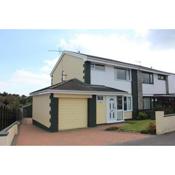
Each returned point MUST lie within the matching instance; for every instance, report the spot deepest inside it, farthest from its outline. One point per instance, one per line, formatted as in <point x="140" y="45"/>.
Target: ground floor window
<point x="119" y="103"/>
<point x="147" y="103"/>
<point x="127" y="103"/>
<point x="100" y="98"/>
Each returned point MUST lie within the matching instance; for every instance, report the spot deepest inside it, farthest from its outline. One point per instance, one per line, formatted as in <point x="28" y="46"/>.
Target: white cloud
<point x="48" y="65"/>
<point x="122" y="47"/>
<point x="25" y="81"/>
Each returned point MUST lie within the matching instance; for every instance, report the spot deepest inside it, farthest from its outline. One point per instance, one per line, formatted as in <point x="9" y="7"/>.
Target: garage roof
<point x="77" y="85"/>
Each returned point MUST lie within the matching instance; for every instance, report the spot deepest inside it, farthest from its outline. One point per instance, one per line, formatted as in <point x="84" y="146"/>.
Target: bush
<point x="150" y="130"/>
<point x="113" y="128"/>
<point x="142" y="116"/>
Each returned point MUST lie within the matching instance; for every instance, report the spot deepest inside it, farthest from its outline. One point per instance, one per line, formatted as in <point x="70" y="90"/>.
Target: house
<point x="88" y="90"/>
<point x="73" y="104"/>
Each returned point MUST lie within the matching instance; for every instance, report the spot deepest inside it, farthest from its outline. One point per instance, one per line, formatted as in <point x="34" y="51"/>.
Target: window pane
<point x="147" y="78"/>
<point x="161" y="77"/>
<point x="99" y="67"/>
<point x="147" y="103"/>
<point x="119" y="102"/>
<point x="129" y="105"/>
<point x="100" y="98"/>
<point x="125" y="103"/>
<point x="122" y="74"/>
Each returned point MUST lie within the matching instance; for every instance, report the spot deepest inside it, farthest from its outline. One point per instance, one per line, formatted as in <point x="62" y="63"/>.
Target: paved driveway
<point x="31" y="135"/>
<point x="160" y="140"/>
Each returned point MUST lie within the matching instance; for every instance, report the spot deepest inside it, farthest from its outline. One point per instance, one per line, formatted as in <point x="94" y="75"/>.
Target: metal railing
<point x="8" y="116"/>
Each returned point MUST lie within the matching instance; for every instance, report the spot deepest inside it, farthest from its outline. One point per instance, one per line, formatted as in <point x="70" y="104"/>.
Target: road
<point x="159" y="140"/>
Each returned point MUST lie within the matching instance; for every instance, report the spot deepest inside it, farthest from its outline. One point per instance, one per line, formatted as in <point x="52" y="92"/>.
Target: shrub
<point x="150" y="130"/>
<point x="142" y="116"/>
<point x="113" y="128"/>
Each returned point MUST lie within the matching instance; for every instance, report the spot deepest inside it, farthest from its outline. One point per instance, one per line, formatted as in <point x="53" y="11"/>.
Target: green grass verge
<point x="135" y="125"/>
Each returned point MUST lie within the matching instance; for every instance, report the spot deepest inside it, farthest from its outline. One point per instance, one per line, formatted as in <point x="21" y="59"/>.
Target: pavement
<point x="30" y="135"/>
<point x="158" y="140"/>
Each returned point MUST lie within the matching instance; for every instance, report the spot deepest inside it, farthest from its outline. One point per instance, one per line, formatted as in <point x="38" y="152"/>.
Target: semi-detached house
<point x="87" y="90"/>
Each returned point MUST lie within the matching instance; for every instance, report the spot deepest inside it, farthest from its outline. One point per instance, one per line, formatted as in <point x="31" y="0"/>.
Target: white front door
<point x="111" y="109"/>
<point x="114" y="109"/>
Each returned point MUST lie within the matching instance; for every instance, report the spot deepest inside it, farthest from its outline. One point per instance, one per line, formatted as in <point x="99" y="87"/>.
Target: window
<point x="99" y="98"/>
<point x="122" y="74"/>
<point x="98" y="67"/>
<point x="147" y="103"/>
<point x="119" y="102"/>
<point x="161" y="77"/>
<point x="127" y="103"/>
<point x="147" y="78"/>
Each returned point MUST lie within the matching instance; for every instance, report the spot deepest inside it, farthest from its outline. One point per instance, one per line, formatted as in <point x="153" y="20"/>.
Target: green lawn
<point x="135" y="125"/>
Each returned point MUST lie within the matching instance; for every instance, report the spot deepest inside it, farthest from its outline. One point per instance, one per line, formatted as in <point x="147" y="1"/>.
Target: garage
<point x="70" y="105"/>
<point x="72" y="113"/>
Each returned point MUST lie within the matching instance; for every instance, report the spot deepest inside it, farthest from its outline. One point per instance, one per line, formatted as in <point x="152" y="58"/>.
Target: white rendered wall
<point x="171" y="83"/>
<point x="159" y="87"/>
<point x="107" y="78"/>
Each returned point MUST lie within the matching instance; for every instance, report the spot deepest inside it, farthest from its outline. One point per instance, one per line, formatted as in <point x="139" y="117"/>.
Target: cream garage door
<point x="72" y="113"/>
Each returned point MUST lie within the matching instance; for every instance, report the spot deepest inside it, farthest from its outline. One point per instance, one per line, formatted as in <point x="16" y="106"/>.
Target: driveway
<point x="159" y="140"/>
<point x="32" y="135"/>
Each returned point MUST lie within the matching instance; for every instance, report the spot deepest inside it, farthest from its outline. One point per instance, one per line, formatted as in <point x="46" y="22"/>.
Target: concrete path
<point x="160" y="140"/>
<point x="31" y="135"/>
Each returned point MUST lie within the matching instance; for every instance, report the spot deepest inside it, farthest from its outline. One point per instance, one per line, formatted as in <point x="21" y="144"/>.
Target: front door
<point x="112" y="106"/>
<point x="114" y="109"/>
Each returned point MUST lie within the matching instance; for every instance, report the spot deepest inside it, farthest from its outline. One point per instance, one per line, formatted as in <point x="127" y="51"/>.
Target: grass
<point x="136" y="125"/>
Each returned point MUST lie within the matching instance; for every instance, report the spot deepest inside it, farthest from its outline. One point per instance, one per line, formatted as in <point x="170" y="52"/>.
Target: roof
<point x="77" y="85"/>
<point x="109" y="61"/>
<point x="164" y="95"/>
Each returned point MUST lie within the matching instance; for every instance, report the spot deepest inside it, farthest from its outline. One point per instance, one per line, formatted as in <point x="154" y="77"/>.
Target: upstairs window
<point x="99" y="67"/>
<point x="122" y="74"/>
<point x="147" y="78"/>
<point x="161" y="77"/>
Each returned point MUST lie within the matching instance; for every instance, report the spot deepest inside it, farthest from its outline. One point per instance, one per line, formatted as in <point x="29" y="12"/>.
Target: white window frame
<point x="115" y="74"/>
<point x="127" y="110"/>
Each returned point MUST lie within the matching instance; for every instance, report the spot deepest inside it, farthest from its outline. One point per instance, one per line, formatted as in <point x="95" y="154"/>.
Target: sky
<point x="26" y="61"/>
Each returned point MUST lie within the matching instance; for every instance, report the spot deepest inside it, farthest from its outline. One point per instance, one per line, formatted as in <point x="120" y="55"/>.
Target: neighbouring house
<point x="88" y="90"/>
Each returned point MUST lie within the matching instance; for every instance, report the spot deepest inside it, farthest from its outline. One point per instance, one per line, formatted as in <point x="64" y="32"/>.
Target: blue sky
<point x="26" y="62"/>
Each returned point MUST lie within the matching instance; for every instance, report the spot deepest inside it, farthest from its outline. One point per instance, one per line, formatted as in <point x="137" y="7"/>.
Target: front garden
<point x="141" y="126"/>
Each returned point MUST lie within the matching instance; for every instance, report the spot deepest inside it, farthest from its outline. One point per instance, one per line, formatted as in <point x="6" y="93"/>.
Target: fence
<point x="27" y="111"/>
<point x="7" y="117"/>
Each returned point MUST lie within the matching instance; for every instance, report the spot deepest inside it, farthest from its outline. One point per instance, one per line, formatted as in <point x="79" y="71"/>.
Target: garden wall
<point x="164" y="123"/>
